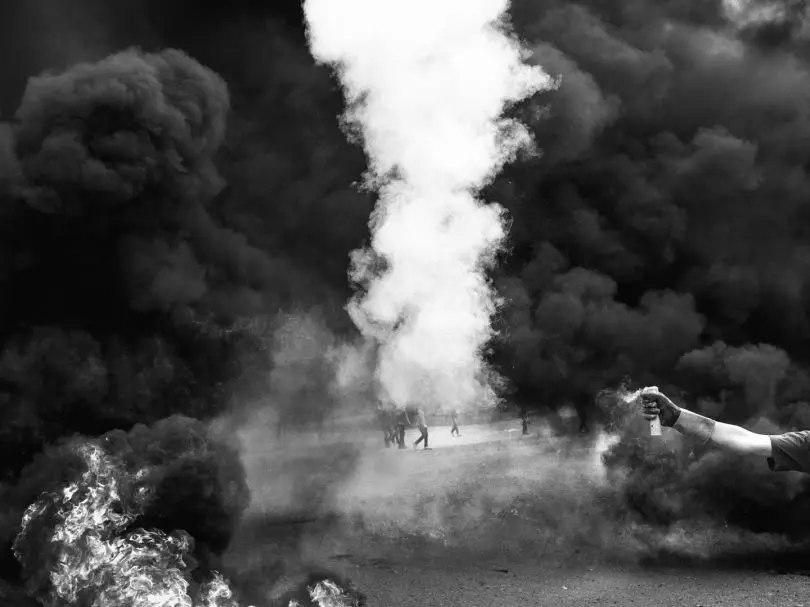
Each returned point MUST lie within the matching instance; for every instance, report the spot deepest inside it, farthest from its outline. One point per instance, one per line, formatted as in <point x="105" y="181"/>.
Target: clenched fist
<point x="656" y="404"/>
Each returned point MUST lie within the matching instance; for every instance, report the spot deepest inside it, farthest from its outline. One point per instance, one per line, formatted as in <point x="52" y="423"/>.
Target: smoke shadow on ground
<point x="785" y="560"/>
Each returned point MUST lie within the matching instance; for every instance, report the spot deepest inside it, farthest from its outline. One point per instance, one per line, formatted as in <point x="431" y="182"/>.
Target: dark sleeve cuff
<point x="790" y="451"/>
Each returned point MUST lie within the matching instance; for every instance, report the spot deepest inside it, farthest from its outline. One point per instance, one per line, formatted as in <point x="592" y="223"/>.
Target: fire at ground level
<point x="493" y="517"/>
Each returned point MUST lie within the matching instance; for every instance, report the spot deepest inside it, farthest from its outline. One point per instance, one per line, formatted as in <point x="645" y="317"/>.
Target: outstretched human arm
<point x="788" y="451"/>
<point x="726" y="436"/>
<point x="732" y="438"/>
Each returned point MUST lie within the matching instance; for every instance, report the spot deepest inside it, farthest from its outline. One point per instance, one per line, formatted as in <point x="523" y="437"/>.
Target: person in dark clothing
<point x="454" y="431"/>
<point x="524" y="416"/>
<point x="784" y="452"/>
<point x="582" y="412"/>
<point x="388" y="423"/>
<point x="402" y="423"/>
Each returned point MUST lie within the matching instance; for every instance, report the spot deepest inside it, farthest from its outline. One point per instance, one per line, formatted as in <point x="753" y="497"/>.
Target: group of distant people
<point x="395" y="423"/>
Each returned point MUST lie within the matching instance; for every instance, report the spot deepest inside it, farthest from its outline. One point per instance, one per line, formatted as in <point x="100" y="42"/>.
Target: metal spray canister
<point x="655" y="424"/>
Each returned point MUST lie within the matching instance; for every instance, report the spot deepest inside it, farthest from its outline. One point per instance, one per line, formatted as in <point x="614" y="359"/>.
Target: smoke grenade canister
<point x="655" y="427"/>
<point x="655" y="424"/>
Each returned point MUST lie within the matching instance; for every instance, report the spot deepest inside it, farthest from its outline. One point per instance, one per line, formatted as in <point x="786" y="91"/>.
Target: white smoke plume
<point x="426" y="83"/>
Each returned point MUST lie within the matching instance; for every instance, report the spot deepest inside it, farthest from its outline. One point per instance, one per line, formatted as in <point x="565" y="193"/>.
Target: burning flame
<point x="95" y="563"/>
<point x="325" y="594"/>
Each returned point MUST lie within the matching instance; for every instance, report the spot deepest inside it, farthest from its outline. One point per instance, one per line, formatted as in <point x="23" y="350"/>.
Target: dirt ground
<point x="511" y="584"/>
<point x="452" y="526"/>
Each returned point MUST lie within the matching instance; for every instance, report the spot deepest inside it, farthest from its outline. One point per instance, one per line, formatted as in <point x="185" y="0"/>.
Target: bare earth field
<point x="474" y="585"/>
<point x="454" y="526"/>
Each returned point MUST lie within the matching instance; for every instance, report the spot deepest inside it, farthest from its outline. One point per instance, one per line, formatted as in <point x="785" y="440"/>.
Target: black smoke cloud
<point x="662" y="236"/>
<point x="152" y="226"/>
<point x="113" y="167"/>
<point x="666" y="214"/>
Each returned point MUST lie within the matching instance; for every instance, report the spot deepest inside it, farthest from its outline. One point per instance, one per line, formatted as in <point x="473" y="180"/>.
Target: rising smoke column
<point x="426" y="84"/>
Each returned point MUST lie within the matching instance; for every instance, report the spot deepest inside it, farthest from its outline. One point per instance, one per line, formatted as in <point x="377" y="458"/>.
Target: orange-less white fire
<point x="95" y="562"/>
<point x="325" y="594"/>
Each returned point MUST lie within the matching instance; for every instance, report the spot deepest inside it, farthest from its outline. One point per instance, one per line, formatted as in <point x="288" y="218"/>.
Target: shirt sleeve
<point x="790" y="451"/>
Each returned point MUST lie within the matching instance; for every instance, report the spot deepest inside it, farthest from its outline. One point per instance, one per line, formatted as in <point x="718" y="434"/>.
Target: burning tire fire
<point x="76" y="548"/>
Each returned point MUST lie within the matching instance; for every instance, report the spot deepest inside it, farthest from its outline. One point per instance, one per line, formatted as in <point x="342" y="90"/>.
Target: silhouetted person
<point x="421" y="423"/>
<point x="389" y="428"/>
<point x="524" y="416"/>
<point x="454" y="431"/>
<point x="583" y="426"/>
<point x="581" y="404"/>
<point x="402" y="423"/>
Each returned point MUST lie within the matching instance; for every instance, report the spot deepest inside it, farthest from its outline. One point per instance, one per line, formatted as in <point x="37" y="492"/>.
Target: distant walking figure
<point x="454" y="431"/>
<point x="421" y="423"/>
<point x="402" y="423"/>
<point x="388" y="423"/>
<point x="524" y="415"/>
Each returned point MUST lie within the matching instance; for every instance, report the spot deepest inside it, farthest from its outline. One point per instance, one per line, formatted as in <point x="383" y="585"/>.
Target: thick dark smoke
<point x="141" y="288"/>
<point x="127" y="300"/>
<point x="114" y="299"/>
<point x="662" y="236"/>
<point x="159" y="228"/>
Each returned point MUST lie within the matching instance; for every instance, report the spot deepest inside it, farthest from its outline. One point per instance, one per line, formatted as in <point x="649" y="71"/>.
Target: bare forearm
<point x="726" y="436"/>
<point x="740" y="440"/>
